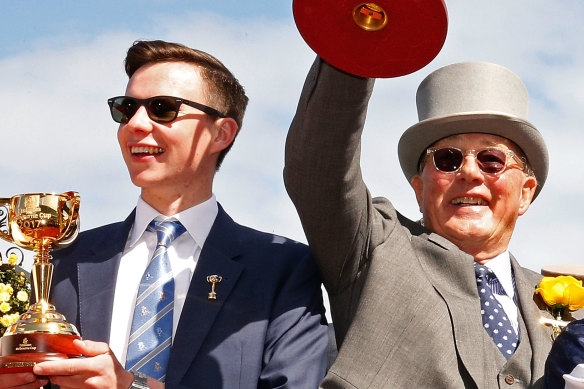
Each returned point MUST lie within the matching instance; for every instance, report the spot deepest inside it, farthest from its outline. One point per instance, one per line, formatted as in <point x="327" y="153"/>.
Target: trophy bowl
<point x="40" y="222"/>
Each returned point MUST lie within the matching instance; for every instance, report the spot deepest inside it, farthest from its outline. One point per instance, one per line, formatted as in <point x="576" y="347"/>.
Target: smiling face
<point x="474" y="210"/>
<point x="174" y="163"/>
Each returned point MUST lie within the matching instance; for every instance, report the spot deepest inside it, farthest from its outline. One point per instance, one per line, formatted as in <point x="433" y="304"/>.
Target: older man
<point x="438" y="303"/>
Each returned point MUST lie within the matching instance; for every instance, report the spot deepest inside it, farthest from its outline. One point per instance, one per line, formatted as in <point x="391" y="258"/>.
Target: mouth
<point x="468" y="201"/>
<point x="146" y="150"/>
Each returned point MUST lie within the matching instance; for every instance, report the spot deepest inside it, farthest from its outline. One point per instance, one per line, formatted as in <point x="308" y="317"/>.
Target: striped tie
<point x="151" y="334"/>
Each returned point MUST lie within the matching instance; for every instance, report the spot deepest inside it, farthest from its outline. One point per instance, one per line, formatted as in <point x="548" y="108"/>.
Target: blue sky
<point x="26" y="23"/>
<point x="61" y="60"/>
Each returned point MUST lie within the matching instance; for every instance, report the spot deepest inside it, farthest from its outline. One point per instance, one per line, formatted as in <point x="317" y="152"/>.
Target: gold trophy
<point x="40" y="222"/>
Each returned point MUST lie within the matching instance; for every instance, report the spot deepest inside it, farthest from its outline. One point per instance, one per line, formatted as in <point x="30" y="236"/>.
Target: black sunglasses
<point x="491" y="160"/>
<point x="161" y="109"/>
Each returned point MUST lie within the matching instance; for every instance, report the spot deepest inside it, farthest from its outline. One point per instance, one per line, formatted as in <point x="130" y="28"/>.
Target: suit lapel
<point x="96" y="294"/>
<point x="199" y="312"/>
<point x="217" y="257"/>
<point x="452" y="274"/>
<point x="540" y="335"/>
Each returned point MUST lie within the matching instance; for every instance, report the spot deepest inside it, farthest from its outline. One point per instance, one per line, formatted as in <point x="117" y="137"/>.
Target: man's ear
<point x="527" y="193"/>
<point x="225" y="133"/>
<point x="418" y="186"/>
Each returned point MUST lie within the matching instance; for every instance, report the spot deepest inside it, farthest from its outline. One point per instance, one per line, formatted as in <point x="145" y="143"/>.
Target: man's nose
<point x="470" y="169"/>
<point x="140" y="121"/>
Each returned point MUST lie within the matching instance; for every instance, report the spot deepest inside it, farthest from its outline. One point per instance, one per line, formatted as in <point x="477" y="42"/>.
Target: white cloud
<point x="58" y="135"/>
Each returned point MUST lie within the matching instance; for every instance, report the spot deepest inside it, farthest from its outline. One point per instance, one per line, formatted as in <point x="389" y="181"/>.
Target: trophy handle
<point x="3" y="202"/>
<point x="72" y="222"/>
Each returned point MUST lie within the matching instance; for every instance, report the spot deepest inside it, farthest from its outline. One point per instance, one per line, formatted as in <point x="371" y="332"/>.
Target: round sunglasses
<point x="161" y="109"/>
<point x="490" y="160"/>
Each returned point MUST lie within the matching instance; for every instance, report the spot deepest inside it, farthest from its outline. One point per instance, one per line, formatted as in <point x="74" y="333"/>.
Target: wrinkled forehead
<point x="473" y="141"/>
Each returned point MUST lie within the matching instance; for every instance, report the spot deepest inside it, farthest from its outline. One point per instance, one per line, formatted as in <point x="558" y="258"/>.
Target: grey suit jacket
<point x="404" y="301"/>
<point x="266" y="329"/>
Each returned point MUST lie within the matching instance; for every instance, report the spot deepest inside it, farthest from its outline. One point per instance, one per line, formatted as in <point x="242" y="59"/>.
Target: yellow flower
<point x="22" y="295"/>
<point x="562" y="292"/>
<point x="6" y="288"/>
<point x="4" y="296"/>
<point x="12" y="259"/>
<point x="5" y="307"/>
<point x="7" y="320"/>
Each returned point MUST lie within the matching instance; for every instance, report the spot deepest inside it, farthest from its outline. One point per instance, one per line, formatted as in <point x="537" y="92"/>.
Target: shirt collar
<point x="197" y="220"/>
<point x="501" y="266"/>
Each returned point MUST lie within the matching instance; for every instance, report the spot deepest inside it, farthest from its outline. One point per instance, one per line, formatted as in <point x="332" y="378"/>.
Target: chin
<point x="142" y="181"/>
<point x="467" y="230"/>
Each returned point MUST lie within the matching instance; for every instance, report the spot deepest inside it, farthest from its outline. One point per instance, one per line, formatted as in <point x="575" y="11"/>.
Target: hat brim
<point x="416" y="139"/>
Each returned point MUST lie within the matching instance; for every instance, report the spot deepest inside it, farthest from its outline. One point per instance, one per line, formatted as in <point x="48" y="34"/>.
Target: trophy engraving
<point x="40" y="222"/>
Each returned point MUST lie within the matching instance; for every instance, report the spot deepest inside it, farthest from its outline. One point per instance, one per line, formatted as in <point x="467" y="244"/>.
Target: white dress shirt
<point x="575" y="380"/>
<point x="501" y="266"/>
<point x="183" y="253"/>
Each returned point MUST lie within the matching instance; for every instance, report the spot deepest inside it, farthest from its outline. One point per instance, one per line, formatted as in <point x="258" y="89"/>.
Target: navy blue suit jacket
<point x="265" y="330"/>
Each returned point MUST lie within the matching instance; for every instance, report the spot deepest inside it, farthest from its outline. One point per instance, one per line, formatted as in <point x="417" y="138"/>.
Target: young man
<point x="440" y="303"/>
<point x="247" y="308"/>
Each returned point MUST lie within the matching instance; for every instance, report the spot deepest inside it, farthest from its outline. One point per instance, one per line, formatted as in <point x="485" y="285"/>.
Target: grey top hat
<point x="473" y="97"/>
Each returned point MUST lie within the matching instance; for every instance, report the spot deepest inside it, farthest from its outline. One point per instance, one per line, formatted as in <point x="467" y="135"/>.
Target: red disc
<point x="381" y="38"/>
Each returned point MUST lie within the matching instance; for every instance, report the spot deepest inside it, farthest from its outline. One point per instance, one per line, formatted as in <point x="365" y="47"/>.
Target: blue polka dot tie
<point x="495" y="320"/>
<point x="151" y="334"/>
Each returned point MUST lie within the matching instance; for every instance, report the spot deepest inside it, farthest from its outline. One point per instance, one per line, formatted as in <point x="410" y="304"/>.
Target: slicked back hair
<point x="224" y="92"/>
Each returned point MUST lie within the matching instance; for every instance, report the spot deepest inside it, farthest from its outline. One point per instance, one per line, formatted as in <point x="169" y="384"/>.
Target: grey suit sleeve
<point x="322" y="171"/>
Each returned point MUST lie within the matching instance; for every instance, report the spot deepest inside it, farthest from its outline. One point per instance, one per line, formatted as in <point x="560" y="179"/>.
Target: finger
<point x="9" y="380"/>
<point x="71" y="366"/>
<point x="74" y="366"/>
<point x="69" y="382"/>
<point x="90" y="348"/>
<point x="22" y="381"/>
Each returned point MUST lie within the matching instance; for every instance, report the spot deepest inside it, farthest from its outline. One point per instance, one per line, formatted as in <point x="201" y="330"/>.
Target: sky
<point x="61" y="60"/>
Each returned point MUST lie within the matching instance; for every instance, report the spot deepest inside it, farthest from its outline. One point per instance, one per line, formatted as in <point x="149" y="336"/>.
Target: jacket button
<point x="509" y="379"/>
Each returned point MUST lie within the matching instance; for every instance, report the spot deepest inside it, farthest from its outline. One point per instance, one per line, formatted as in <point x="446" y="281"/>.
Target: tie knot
<point x="486" y="275"/>
<point x="166" y="231"/>
<point x="482" y="271"/>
